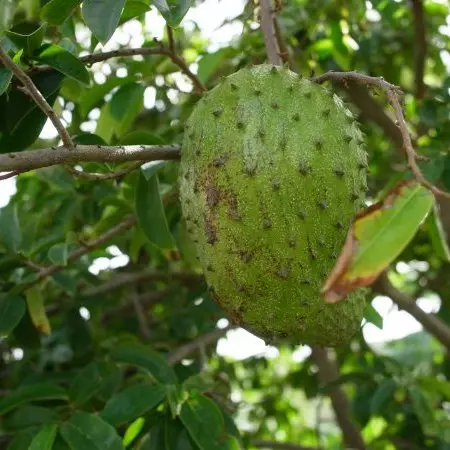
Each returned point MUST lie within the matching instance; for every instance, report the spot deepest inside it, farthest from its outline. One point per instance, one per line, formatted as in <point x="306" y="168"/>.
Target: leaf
<point x="10" y="233"/>
<point x="5" y="79"/>
<point x="150" y="212"/>
<point x="56" y="12"/>
<point x="102" y="17"/>
<point x="58" y="254"/>
<point x="382" y="395"/>
<point x="147" y="359"/>
<point x="132" y="432"/>
<point x="32" y="393"/>
<point x="45" y="438"/>
<point x="376" y="237"/>
<point x="132" y="402"/>
<point x="437" y="235"/>
<point x="209" y="63"/>
<point x="29" y="416"/>
<point x="28" y="42"/>
<point x="85" y="431"/>
<point x="141" y="137"/>
<point x="373" y="316"/>
<point x="89" y="381"/>
<point x="423" y="409"/>
<point x="149" y="169"/>
<point x="173" y="10"/>
<point x="12" y="309"/>
<point x="63" y="61"/>
<point x="132" y="9"/>
<point x="176" y="396"/>
<point x="204" y="422"/>
<point x="36" y="309"/>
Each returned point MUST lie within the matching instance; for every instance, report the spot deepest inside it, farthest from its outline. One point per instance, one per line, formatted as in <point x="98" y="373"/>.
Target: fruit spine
<point x="272" y="172"/>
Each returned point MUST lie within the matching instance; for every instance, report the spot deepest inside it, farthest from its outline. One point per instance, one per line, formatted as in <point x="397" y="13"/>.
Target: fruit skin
<point x="272" y="172"/>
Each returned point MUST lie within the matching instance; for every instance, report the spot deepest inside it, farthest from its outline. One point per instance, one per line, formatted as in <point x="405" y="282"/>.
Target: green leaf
<point x="28" y="42"/>
<point x="377" y="236"/>
<point x="437" y="235"/>
<point x="141" y="137"/>
<point x="105" y="124"/>
<point x="173" y="10"/>
<point x="147" y="359"/>
<point x="373" y="316"/>
<point x="133" y="431"/>
<point x="150" y="212"/>
<point x="10" y="233"/>
<point x="36" y="309"/>
<point x="132" y="402"/>
<point x="176" y="395"/>
<point x="12" y="309"/>
<point x="423" y="408"/>
<point x="5" y="79"/>
<point x="204" y="422"/>
<point x="63" y="61"/>
<point x="209" y="63"/>
<point x="58" y="254"/>
<point x="102" y="17"/>
<point x="85" y="431"/>
<point x="133" y="9"/>
<point x="56" y="12"/>
<point x="382" y="395"/>
<point x="29" y="416"/>
<point x="45" y="438"/>
<point x="89" y="381"/>
<point x="149" y="169"/>
<point x="32" y="393"/>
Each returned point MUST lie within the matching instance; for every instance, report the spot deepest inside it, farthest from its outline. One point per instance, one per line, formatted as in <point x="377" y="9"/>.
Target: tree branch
<point x="435" y="326"/>
<point x="270" y="40"/>
<point x="140" y="314"/>
<point x="420" y="47"/>
<point x="37" y="159"/>
<point x="393" y="92"/>
<point x="329" y="372"/>
<point x="279" y="445"/>
<point x="203" y="340"/>
<point x="87" y="248"/>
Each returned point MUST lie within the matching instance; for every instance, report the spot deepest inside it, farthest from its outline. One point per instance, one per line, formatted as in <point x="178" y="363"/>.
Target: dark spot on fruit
<point x="234" y="87"/>
<point x="296" y="117"/>
<point x="326" y="112"/>
<point x="209" y="268"/>
<point x="332" y="256"/>
<point x="304" y="302"/>
<point x="318" y="144"/>
<point x="290" y="88"/>
<point x="283" y="273"/>
<point x="219" y="161"/>
<point x="339" y="173"/>
<point x="305" y="282"/>
<point x="304" y="169"/>
<point x="321" y="242"/>
<point x="274" y="70"/>
<point x="212" y="196"/>
<point x="217" y="112"/>
<point x="191" y="135"/>
<point x="276" y="185"/>
<point x="301" y="214"/>
<point x="250" y="170"/>
<point x="347" y="138"/>
<point x="240" y="124"/>
<point x="197" y="153"/>
<point x="257" y="92"/>
<point x="364" y="187"/>
<point x="275" y="105"/>
<point x="292" y="243"/>
<point x="362" y="165"/>
<point x="322" y="204"/>
<point x="307" y="94"/>
<point x="210" y="231"/>
<point x="261" y="133"/>
<point x="246" y="257"/>
<point x="354" y="197"/>
<point x="267" y="224"/>
<point x="339" y="225"/>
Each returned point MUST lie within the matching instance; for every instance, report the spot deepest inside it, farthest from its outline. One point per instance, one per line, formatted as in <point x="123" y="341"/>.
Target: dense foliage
<point x="107" y="331"/>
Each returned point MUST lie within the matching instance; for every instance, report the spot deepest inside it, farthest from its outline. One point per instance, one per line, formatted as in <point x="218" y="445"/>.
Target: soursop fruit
<point x="272" y="172"/>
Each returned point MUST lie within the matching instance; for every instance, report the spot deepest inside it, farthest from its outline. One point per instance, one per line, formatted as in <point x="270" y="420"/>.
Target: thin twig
<point x="328" y="371"/>
<point x="106" y="176"/>
<point x="283" y="50"/>
<point x="171" y="39"/>
<point x="203" y="340"/>
<point x="420" y="47"/>
<point x="270" y="40"/>
<point x="37" y="159"/>
<point x="393" y="92"/>
<point x="89" y="247"/>
<point x="30" y="89"/>
<point x="140" y="314"/>
<point x="126" y="52"/>
<point x="7" y="175"/>
<point x="435" y="326"/>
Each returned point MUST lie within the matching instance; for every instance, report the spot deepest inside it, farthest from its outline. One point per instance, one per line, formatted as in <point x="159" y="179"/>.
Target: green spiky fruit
<point x="272" y="173"/>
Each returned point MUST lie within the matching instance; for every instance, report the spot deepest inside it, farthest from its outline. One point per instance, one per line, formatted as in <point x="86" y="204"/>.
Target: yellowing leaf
<point x="37" y="312"/>
<point x="377" y="236"/>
